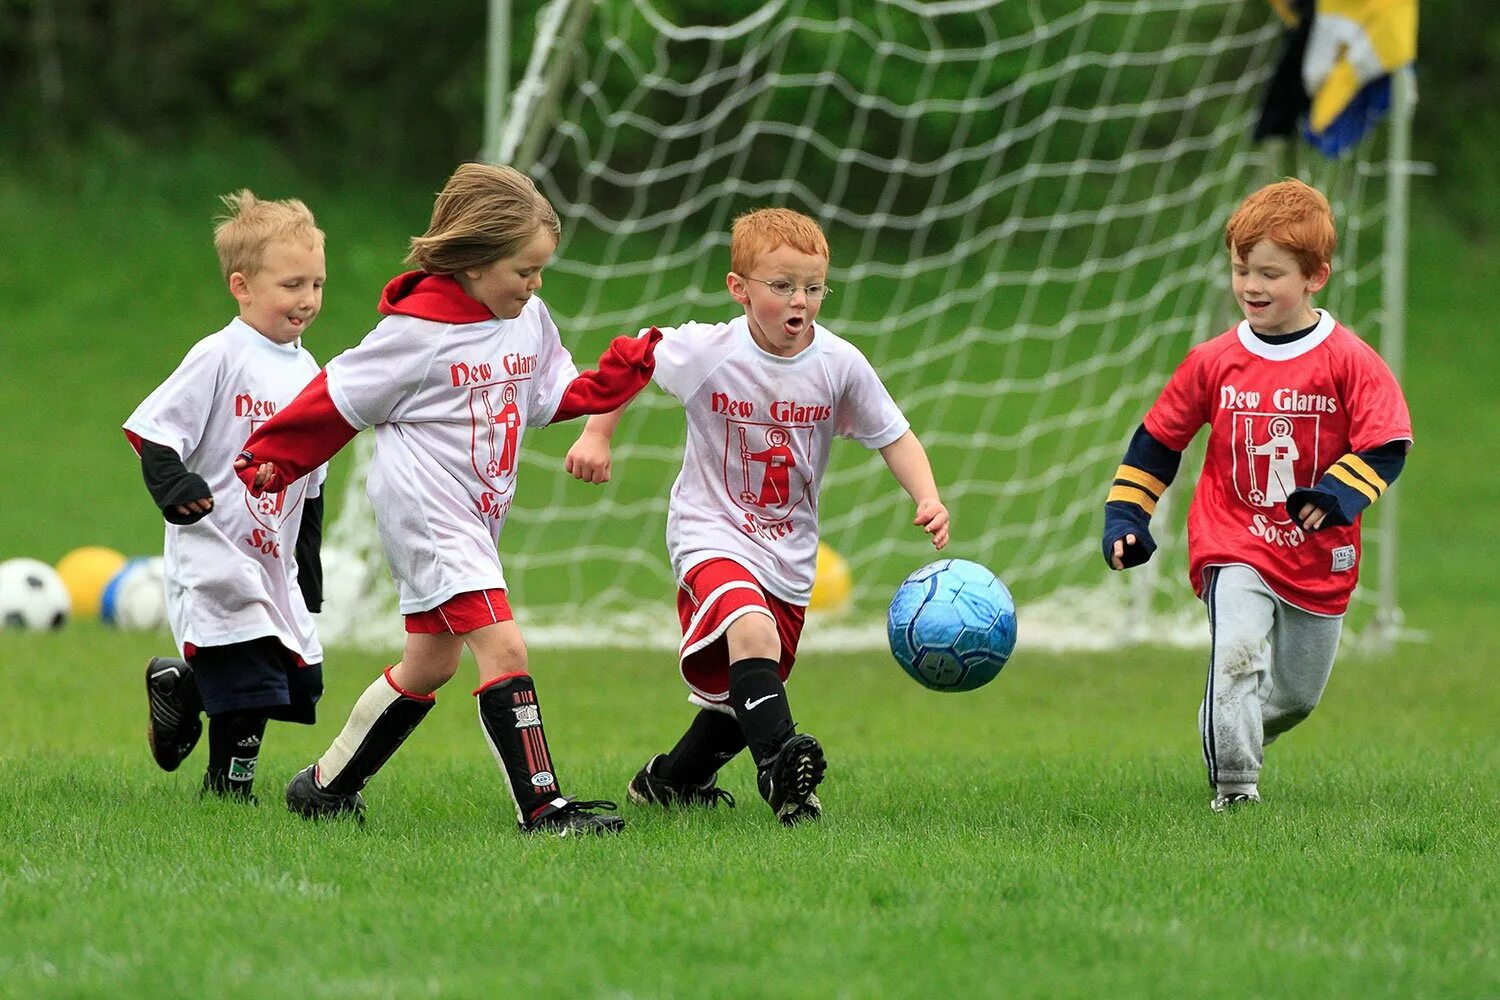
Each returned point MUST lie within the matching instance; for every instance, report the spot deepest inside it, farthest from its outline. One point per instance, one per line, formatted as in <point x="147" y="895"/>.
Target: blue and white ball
<point x="136" y="598"/>
<point x="952" y="625"/>
<point x="32" y="596"/>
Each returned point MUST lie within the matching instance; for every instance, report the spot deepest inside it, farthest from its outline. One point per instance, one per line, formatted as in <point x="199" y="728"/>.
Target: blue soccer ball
<point x="952" y="625"/>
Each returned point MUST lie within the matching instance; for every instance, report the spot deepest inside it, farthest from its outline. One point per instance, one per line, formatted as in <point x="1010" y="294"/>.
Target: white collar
<point x="1288" y="351"/>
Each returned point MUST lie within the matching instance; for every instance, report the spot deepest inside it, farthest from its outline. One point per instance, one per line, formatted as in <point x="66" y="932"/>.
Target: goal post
<point x="1025" y="203"/>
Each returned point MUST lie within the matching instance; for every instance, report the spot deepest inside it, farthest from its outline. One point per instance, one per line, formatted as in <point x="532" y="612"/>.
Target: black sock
<point x="512" y="723"/>
<point x="233" y="749"/>
<point x="759" y="701"/>
<point x="709" y="743"/>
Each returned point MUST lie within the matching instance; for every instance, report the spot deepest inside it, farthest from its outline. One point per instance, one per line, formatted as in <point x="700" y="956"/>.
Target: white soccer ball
<point x="32" y="596"/>
<point x="136" y="598"/>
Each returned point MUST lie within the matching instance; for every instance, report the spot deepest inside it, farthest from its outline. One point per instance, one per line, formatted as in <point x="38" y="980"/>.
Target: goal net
<point x="1025" y="202"/>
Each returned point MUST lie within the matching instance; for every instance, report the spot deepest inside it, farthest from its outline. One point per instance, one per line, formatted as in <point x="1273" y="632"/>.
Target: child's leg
<point x="387" y="713"/>
<point x="234" y="740"/>
<point x="1241" y="614"/>
<point x="1302" y="651"/>
<point x="756" y="691"/>
<point x="511" y="719"/>
<point x="712" y="740"/>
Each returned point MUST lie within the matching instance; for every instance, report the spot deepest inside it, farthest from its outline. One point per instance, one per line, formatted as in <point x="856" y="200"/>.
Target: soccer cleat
<point x="569" y="818"/>
<point x="305" y="798"/>
<point x="1233" y="801"/>
<point x="174" y="726"/>
<point x="226" y="790"/>
<point x="648" y="789"/>
<point x="787" y="781"/>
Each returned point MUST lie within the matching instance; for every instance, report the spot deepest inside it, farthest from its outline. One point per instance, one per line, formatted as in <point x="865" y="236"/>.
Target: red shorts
<point x="713" y="595"/>
<point x="462" y="613"/>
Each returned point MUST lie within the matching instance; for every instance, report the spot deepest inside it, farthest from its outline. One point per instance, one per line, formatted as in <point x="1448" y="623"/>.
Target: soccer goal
<point x="1025" y="202"/>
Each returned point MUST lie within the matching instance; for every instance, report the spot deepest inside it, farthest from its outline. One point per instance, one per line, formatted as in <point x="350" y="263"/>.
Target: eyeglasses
<point x="816" y="292"/>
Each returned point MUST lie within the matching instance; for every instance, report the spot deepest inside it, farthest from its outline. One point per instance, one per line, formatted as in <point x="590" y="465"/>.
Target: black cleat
<point x="230" y="791"/>
<point x="648" y="789"/>
<point x="788" y="780"/>
<point x="306" y="799"/>
<point x="174" y="726"/>
<point x="569" y="818"/>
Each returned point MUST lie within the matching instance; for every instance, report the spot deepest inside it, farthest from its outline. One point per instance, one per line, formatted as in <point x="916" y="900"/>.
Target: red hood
<point x="435" y="297"/>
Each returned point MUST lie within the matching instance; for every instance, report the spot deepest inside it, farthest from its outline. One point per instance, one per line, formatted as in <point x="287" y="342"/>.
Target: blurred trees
<point x="347" y="87"/>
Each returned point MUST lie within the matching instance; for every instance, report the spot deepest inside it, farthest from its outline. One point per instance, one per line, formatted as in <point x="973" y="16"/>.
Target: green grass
<point x="1045" y="836"/>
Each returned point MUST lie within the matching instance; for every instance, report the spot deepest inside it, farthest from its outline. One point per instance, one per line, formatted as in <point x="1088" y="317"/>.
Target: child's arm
<point x="298" y="439"/>
<point x="589" y="458"/>
<point x="310" y="554"/>
<point x="1349" y="486"/>
<point x="1148" y="469"/>
<point x="183" y="496"/>
<point x="908" y="462"/>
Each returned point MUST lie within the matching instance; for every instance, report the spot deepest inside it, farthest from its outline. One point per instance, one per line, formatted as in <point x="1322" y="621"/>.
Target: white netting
<point x="1025" y="202"/>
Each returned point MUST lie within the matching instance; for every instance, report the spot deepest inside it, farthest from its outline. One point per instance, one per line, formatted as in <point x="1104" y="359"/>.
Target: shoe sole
<point x="807" y="768"/>
<point x="157" y="704"/>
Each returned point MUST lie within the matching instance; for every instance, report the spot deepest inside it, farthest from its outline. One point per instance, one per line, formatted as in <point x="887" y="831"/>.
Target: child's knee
<point x="1237" y="656"/>
<point x="753" y="635"/>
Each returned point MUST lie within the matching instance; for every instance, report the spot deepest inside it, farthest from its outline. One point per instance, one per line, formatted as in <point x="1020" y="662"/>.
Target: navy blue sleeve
<point x="1351" y="484"/>
<point x="1148" y="469"/>
<point x="310" y="554"/>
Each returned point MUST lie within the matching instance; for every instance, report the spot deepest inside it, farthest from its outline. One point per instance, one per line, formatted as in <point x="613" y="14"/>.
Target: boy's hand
<point x="589" y="458"/>
<point x="1131" y="549"/>
<point x="192" y="507"/>
<point x="932" y="517"/>
<point x="266" y="478"/>
<point x="1311" y="517"/>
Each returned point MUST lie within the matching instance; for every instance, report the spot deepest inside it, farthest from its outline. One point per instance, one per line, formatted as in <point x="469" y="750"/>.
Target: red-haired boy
<point x="1307" y="427"/>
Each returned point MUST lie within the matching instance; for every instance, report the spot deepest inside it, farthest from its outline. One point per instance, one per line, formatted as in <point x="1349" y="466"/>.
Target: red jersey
<point x="1279" y="415"/>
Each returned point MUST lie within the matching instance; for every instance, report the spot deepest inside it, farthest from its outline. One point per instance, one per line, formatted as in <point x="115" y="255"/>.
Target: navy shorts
<point x="260" y="675"/>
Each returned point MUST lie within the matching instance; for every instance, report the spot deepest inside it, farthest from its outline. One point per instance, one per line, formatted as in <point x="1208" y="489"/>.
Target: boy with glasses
<point x="764" y="395"/>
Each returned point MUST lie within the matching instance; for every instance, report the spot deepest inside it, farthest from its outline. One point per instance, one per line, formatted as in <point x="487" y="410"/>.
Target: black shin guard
<point x="759" y="701"/>
<point x="378" y="724"/>
<point x="233" y="750"/>
<point x="512" y="724"/>
<point x="710" y="742"/>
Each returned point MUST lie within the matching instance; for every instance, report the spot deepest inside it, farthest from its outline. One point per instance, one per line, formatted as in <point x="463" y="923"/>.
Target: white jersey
<point x="759" y="430"/>
<point x="232" y="576"/>
<point x="450" y="403"/>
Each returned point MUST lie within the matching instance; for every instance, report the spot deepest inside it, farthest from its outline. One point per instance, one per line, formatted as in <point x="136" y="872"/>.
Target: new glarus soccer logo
<point x="269" y="509"/>
<point x="1274" y="454"/>
<point x="495" y="419"/>
<point x="764" y="467"/>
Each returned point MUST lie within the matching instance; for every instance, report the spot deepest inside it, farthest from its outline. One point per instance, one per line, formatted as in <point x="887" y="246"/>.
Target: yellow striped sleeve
<point x="1363" y="469"/>
<point x="1140" y="477"/>
<point x="1132" y="494"/>
<point x="1343" y="475"/>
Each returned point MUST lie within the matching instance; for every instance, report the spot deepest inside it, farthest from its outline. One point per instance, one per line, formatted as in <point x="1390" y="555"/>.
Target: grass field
<point x="1045" y="836"/>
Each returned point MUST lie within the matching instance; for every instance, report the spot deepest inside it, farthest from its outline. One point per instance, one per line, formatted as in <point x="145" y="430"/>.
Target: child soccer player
<point x="465" y="361"/>
<point x="764" y="395"/>
<point x="1307" y="427"/>
<point x="242" y="572"/>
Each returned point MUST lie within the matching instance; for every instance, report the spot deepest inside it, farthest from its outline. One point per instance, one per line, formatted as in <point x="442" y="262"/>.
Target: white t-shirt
<point x="449" y="404"/>
<point x="232" y="576"/>
<point x="759" y="430"/>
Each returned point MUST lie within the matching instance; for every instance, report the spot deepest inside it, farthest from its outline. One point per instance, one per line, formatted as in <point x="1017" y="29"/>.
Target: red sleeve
<point x="1181" y="409"/>
<point x="1377" y="408"/>
<point x="135" y="440"/>
<point x="624" y="369"/>
<point x="304" y="435"/>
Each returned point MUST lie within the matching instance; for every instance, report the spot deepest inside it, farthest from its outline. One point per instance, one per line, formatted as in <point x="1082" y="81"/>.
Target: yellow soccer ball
<point x="832" y="584"/>
<point x="86" y="572"/>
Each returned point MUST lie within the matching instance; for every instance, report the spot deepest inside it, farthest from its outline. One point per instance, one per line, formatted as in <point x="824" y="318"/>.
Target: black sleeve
<point x="170" y="483"/>
<point x="1352" y="483"/>
<point x="310" y="554"/>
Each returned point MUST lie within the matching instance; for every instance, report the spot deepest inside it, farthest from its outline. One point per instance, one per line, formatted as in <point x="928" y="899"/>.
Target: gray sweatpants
<point x="1267" y="668"/>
